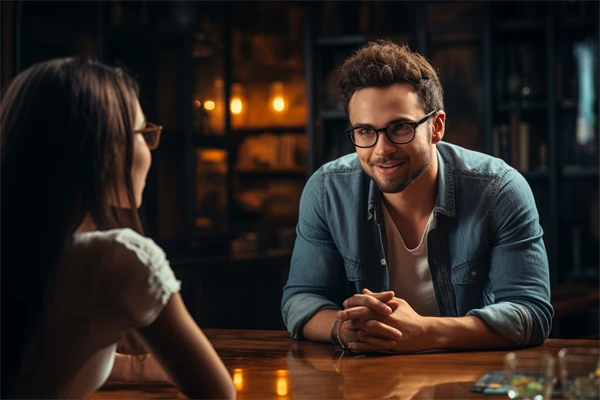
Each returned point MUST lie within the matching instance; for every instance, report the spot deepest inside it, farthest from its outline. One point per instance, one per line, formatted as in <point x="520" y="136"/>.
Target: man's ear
<point x="438" y="127"/>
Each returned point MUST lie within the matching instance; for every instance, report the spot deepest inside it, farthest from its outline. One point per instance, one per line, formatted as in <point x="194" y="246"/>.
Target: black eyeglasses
<point x="151" y="134"/>
<point x="401" y="132"/>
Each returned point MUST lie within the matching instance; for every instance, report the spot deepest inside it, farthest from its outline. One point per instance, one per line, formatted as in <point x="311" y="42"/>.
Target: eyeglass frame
<point x="151" y="127"/>
<point x="414" y="125"/>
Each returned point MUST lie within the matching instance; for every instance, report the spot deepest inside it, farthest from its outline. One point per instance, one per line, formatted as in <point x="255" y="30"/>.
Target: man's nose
<point x="383" y="146"/>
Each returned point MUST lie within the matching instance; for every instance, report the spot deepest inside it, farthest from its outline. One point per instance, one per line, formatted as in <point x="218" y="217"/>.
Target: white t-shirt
<point x="410" y="278"/>
<point x="106" y="282"/>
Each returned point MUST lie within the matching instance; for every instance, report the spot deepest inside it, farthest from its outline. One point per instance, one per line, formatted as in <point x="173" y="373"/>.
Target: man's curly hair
<point x="382" y="63"/>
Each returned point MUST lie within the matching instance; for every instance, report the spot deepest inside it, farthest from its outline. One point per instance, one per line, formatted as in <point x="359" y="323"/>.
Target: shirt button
<point x="383" y="261"/>
<point x="473" y="274"/>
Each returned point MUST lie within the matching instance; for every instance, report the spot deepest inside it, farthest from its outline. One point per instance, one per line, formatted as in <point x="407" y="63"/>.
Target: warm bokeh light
<point x="282" y="383"/>
<point x="197" y="103"/>
<point x="238" y="379"/>
<point x="209" y="105"/>
<point x="278" y="103"/>
<point x="236" y="105"/>
<point x="212" y="155"/>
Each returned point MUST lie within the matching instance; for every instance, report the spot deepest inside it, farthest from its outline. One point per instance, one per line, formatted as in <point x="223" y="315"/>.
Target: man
<point x="426" y="245"/>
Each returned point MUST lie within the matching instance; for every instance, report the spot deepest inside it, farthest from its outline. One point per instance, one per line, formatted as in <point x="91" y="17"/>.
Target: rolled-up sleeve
<point x="317" y="269"/>
<point x="519" y="272"/>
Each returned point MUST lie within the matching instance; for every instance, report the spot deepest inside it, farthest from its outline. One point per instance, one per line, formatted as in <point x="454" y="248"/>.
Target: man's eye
<point x="363" y="131"/>
<point x="400" y="127"/>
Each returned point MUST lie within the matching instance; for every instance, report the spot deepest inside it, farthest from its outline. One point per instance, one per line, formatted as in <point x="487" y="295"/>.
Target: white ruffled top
<point x="106" y="282"/>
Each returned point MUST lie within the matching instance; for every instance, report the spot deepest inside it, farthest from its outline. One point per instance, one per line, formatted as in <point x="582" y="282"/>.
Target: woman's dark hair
<point x="382" y="63"/>
<point x="66" y="146"/>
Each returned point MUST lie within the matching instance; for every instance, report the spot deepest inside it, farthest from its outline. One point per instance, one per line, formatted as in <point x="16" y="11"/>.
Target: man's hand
<point x="402" y="330"/>
<point x="362" y="313"/>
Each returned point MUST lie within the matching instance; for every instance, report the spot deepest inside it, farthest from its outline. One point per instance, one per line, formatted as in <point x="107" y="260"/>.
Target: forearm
<point x="463" y="333"/>
<point x="318" y="328"/>
<point x="129" y="368"/>
<point x="121" y="363"/>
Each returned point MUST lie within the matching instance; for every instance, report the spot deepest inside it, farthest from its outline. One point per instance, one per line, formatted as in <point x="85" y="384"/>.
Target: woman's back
<point x="75" y="154"/>
<point x="106" y="283"/>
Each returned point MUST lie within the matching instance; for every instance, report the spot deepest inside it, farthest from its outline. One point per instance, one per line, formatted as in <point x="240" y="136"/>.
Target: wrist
<point x="335" y="334"/>
<point x="434" y="336"/>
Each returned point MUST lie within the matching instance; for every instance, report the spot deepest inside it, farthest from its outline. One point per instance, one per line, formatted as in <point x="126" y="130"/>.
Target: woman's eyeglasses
<point x="151" y="134"/>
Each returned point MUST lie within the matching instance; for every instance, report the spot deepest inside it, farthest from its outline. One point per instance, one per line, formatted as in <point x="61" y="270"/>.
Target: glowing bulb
<point x="278" y="103"/>
<point x="236" y="106"/>
<point x="197" y="103"/>
<point x="209" y="105"/>
<point x="238" y="379"/>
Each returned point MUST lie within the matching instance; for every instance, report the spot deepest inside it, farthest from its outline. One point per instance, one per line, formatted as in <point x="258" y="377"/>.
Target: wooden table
<point x="270" y="365"/>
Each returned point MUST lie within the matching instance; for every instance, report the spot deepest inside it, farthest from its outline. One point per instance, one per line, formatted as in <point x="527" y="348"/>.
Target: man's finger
<point x="359" y="312"/>
<point x="377" y="328"/>
<point x="384" y="297"/>
<point x="368" y="301"/>
<point x="366" y="347"/>
<point x="376" y="342"/>
<point x="374" y="328"/>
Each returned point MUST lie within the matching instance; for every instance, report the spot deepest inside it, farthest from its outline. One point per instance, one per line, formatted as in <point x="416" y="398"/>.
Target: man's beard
<point x="398" y="184"/>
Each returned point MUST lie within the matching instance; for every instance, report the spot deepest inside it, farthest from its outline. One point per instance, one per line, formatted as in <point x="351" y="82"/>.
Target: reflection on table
<point x="270" y="365"/>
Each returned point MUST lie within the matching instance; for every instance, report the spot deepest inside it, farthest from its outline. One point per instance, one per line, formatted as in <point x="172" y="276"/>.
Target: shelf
<point x="269" y="256"/>
<point x="176" y="137"/>
<point x="573" y="297"/>
<point x="521" y="26"/>
<point x="346" y="40"/>
<point x="580" y="172"/>
<point x="567" y="106"/>
<point x="270" y="129"/>
<point x="530" y="175"/>
<point x="332" y="115"/>
<point x="219" y="142"/>
<point x="588" y="274"/>
<point x="359" y="39"/>
<point x="578" y="24"/>
<point x="445" y="42"/>
<point x="265" y="171"/>
<point x="116" y="31"/>
<point x="523" y="107"/>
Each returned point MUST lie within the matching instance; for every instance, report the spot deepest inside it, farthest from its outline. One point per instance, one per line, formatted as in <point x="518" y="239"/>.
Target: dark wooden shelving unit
<point x="562" y="192"/>
<point x="588" y="172"/>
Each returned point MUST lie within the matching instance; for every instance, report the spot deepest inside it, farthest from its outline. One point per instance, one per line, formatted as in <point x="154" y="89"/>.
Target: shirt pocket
<point x="469" y="280"/>
<point x="470" y="272"/>
<point x="355" y="272"/>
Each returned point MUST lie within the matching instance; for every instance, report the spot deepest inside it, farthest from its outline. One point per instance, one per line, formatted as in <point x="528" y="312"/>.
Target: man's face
<point x="392" y="166"/>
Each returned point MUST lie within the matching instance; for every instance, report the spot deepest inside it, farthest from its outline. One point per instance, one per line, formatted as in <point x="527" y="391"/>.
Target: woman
<point x="77" y="274"/>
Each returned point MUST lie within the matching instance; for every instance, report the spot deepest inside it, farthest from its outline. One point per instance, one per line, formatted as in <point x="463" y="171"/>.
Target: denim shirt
<point x="486" y="253"/>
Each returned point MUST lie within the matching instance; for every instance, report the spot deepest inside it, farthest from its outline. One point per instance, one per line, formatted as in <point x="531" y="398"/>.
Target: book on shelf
<point x="511" y="143"/>
<point x="504" y="143"/>
<point x="523" y="147"/>
<point x="514" y="140"/>
<point x="268" y="150"/>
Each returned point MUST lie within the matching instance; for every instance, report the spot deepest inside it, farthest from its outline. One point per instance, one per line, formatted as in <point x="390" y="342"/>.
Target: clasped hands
<point x="375" y="322"/>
